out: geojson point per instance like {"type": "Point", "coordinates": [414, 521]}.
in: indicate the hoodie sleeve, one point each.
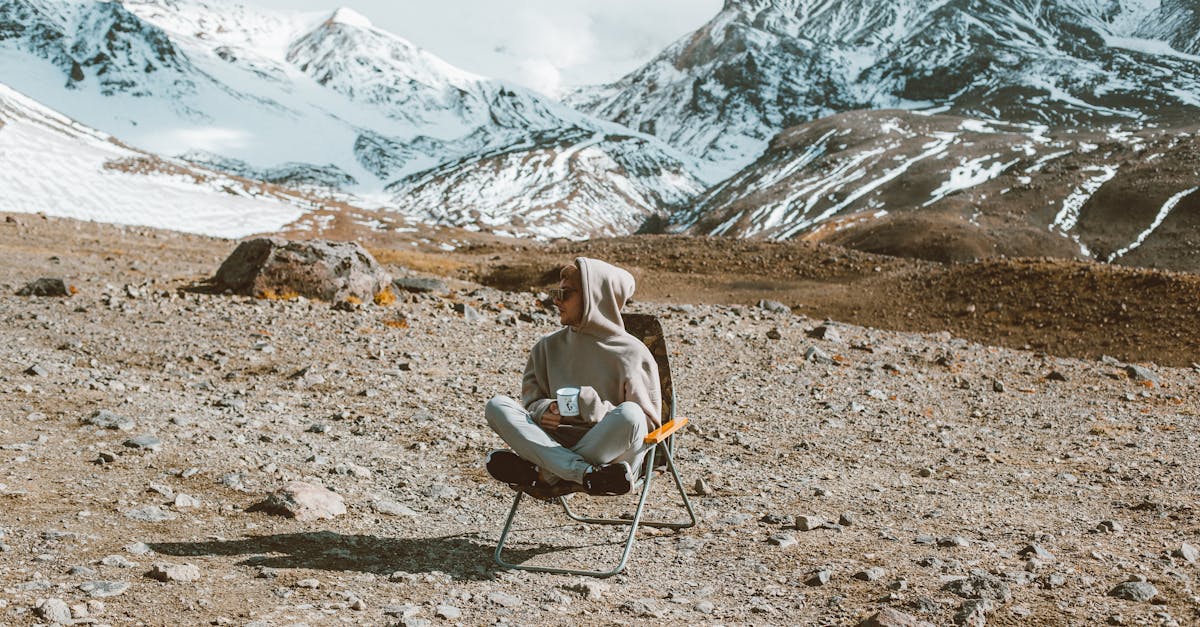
{"type": "Point", "coordinates": [535, 393]}
{"type": "Point", "coordinates": [641, 387]}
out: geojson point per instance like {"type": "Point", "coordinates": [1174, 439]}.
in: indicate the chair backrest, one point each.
{"type": "Point", "coordinates": [648, 329]}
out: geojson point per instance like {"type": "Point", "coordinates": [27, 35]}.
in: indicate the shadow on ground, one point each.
{"type": "Point", "coordinates": [463, 557]}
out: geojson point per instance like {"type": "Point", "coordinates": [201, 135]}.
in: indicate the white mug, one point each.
{"type": "Point", "coordinates": [568, 401]}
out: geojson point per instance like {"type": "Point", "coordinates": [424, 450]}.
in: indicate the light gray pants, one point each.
{"type": "Point", "coordinates": [616, 438]}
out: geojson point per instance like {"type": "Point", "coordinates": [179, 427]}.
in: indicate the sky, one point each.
{"type": "Point", "coordinates": [547, 45]}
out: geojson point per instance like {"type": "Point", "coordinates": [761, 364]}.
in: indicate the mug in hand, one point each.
{"type": "Point", "coordinates": [568, 401]}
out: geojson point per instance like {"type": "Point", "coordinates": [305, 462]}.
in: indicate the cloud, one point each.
{"type": "Point", "coordinates": [547, 45]}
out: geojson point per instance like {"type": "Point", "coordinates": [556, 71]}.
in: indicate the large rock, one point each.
{"type": "Point", "coordinates": [322, 270]}
{"type": "Point", "coordinates": [303, 501]}
{"type": "Point", "coordinates": [45, 287]}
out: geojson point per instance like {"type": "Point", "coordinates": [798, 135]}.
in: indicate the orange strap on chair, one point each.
{"type": "Point", "coordinates": [665, 431]}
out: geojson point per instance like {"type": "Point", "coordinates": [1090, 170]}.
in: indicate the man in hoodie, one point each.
{"type": "Point", "coordinates": [599, 451]}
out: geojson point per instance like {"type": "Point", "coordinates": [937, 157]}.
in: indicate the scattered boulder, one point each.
{"type": "Point", "coordinates": [45, 287]}
{"type": "Point", "coordinates": [774, 306]}
{"type": "Point", "coordinates": [271, 267]}
{"type": "Point", "coordinates": [1188, 552]}
{"type": "Point", "coordinates": [980, 585]}
{"type": "Point", "coordinates": [144, 443]}
{"type": "Point", "coordinates": [303, 501]}
{"type": "Point", "coordinates": [817, 356]}
{"type": "Point", "coordinates": [149, 513]}
{"type": "Point", "coordinates": [825, 332]}
{"type": "Point", "coordinates": [889, 617]}
{"type": "Point", "coordinates": [55, 611]}
{"type": "Point", "coordinates": [108, 420]}
{"type": "Point", "coordinates": [104, 588]}
{"type": "Point", "coordinates": [1141, 374]}
{"type": "Point", "coordinates": [1134, 591]}
{"type": "Point", "coordinates": [808, 523]}
{"type": "Point", "coordinates": [174, 572]}
{"type": "Point", "coordinates": [418, 285]}
{"type": "Point", "coordinates": [973, 613]}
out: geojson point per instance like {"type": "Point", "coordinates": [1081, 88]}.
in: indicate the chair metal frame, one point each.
{"type": "Point", "coordinates": [661, 439]}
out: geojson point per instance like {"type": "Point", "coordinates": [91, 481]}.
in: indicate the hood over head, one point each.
{"type": "Point", "coordinates": [605, 289]}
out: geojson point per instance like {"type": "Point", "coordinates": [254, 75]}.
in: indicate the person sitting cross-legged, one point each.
{"type": "Point", "coordinates": [600, 450]}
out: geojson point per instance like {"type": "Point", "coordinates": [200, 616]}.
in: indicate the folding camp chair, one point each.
{"type": "Point", "coordinates": [647, 328]}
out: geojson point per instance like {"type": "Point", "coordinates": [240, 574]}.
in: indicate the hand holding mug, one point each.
{"type": "Point", "coordinates": [551, 418]}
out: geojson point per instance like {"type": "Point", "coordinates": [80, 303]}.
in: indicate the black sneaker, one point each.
{"type": "Point", "coordinates": [508, 467]}
{"type": "Point", "coordinates": [608, 480]}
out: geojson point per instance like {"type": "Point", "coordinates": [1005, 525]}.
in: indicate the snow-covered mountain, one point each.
{"type": "Point", "coordinates": [54, 165]}
{"type": "Point", "coordinates": [950, 188]}
{"type": "Point", "coordinates": [760, 66]}
{"type": "Point", "coordinates": [329, 100]}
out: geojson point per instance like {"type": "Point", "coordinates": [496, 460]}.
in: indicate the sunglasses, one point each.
{"type": "Point", "coordinates": [561, 293]}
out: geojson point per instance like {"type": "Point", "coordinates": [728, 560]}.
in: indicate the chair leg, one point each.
{"type": "Point", "coordinates": [633, 525]}
{"type": "Point", "coordinates": [687, 504]}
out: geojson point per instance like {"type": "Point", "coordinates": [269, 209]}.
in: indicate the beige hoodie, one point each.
{"type": "Point", "coordinates": [609, 365]}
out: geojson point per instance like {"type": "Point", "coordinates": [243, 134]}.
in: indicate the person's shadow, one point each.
{"type": "Point", "coordinates": [461, 556]}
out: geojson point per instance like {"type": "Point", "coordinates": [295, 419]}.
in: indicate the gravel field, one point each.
{"type": "Point", "coordinates": [954, 482]}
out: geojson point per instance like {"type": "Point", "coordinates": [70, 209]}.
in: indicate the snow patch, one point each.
{"type": "Point", "coordinates": [1163, 212]}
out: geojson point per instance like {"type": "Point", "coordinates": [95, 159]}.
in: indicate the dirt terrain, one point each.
{"type": "Point", "coordinates": [959, 478]}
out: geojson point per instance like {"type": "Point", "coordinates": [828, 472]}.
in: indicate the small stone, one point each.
{"type": "Point", "coordinates": [1134, 591]}
{"type": "Point", "coordinates": [1037, 552]}
{"type": "Point", "coordinates": [138, 548]}
{"type": "Point", "coordinates": [875, 573]}
{"type": "Point", "coordinates": [302, 501]}
{"type": "Point", "coordinates": [643, 608]}
{"type": "Point", "coordinates": [774, 334]}
{"type": "Point", "coordinates": [818, 578]}
{"type": "Point", "coordinates": [174, 572]}
{"type": "Point", "coordinates": [150, 513]}
{"type": "Point", "coordinates": [145, 443]}
{"type": "Point", "coordinates": [997, 385]}
{"type": "Point", "coordinates": [953, 541]}
{"type": "Point", "coordinates": [825, 332]}
{"type": "Point", "coordinates": [82, 571]}
{"type": "Point", "coordinates": [1141, 374]}
{"type": "Point", "coordinates": [1110, 526]}
{"type": "Point", "coordinates": [45, 287]}
{"type": "Point", "coordinates": [925, 472]}
{"type": "Point", "coordinates": [701, 488]}
{"type": "Point", "coordinates": [504, 600]}
{"type": "Point", "coordinates": [389, 507]}
{"type": "Point", "coordinates": [774, 306]}
{"type": "Point", "coordinates": [448, 612]}
{"type": "Point", "coordinates": [1188, 552]}
{"type": "Point", "coordinates": [418, 285]}
{"type": "Point", "coordinates": [108, 420]}
{"type": "Point", "coordinates": [705, 607]}
{"type": "Point", "coordinates": [311, 584]}
{"type": "Point", "coordinates": [808, 523]}
{"type": "Point", "coordinates": [117, 561]}
{"type": "Point", "coordinates": [817, 356]}
{"type": "Point", "coordinates": [469, 313]}
{"type": "Point", "coordinates": [847, 519]}
{"type": "Point", "coordinates": [783, 540]}
{"type": "Point", "coordinates": [980, 585]}
{"type": "Point", "coordinates": [1056, 376]}
{"type": "Point", "coordinates": [590, 588]}
{"type": "Point", "coordinates": [37, 370]}
{"type": "Point", "coordinates": [56, 611]}
{"type": "Point", "coordinates": [973, 613]}
{"type": "Point", "coordinates": [889, 617]}
{"type": "Point", "coordinates": [104, 588]}
{"type": "Point", "coordinates": [184, 500]}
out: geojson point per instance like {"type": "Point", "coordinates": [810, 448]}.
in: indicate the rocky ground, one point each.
{"type": "Point", "coordinates": [949, 480]}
